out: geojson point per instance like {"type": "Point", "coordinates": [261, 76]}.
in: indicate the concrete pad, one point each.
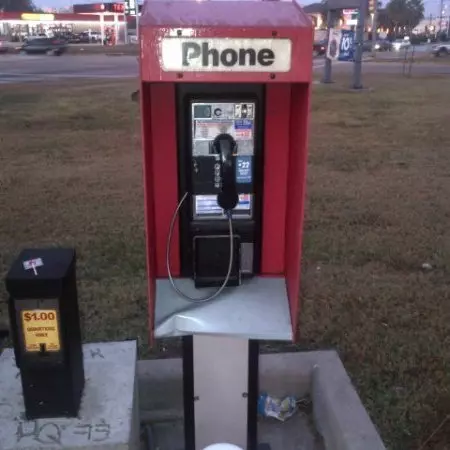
{"type": "Point", "coordinates": [109, 414]}
{"type": "Point", "coordinates": [337, 412]}
{"type": "Point", "coordinates": [160, 389]}
{"type": "Point", "coordinates": [161, 400]}
{"type": "Point", "coordinates": [339, 415]}
{"type": "Point", "coordinates": [295, 434]}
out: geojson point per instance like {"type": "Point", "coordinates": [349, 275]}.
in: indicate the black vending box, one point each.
{"type": "Point", "coordinates": [45, 327]}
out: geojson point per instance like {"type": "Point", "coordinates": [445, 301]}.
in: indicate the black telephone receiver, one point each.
{"type": "Point", "coordinates": [225, 146]}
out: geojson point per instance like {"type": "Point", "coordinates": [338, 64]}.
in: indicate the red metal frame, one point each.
{"type": "Point", "coordinates": [286, 126]}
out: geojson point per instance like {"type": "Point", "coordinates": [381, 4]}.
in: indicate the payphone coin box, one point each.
{"type": "Point", "coordinates": [45, 328]}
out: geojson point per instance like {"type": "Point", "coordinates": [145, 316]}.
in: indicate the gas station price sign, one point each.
{"type": "Point", "coordinates": [130, 7]}
{"type": "Point", "coordinates": [40, 330]}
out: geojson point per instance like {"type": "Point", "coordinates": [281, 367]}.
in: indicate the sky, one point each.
{"type": "Point", "coordinates": [431, 6]}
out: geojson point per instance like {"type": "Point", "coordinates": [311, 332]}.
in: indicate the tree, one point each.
{"type": "Point", "coordinates": [16, 5]}
{"type": "Point", "coordinates": [383, 19]}
{"type": "Point", "coordinates": [405, 13]}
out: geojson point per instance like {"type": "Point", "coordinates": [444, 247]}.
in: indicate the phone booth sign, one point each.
{"type": "Point", "coordinates": [225, 89]}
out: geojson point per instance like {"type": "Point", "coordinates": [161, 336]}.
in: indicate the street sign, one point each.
{"type": "Point", "coordinates": [350, 17]}
{"type": "Point", "coordinates": [341, 45]}
{"type": "Point", "coordinates": [131, 7]}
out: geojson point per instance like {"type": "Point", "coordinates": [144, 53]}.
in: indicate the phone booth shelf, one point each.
{"type": "Point", "coordinates": [267, 305]}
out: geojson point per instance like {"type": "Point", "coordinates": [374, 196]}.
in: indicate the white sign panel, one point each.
{"type": "Point", "coordinates": [334, 41]}
{"type": "Point", "coordinates": [225, 55]}
{"type": "Point", "coordinates": [207, 204]}
{"type": "Point", "coordinates": [32, 263]}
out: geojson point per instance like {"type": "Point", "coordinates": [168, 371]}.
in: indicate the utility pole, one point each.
{"type": "Point", "coordinates": [327, 67]}
{"type": "Point", "coordinates": [374, 14]}
{"type": "Point", "coordinates": [441, 12]}
{"type": "Point", "coordinates": [357, 65]}
{"type": "Point", "coordinates": [125, 28]}
{"type": "Point", "coordinates": [137, 20]}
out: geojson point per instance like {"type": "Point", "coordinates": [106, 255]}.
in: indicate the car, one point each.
{"type": "Point", "coordinates": [367, 46]}
{"type": "Point", "coordinates": [319, 48]}
{"type": "Point", "coordinates": [383, 45]}
{"type": "Point", "coordinates": [50, 46]}
{"type": "Point", "coordinates": [401, 44]}
{"type": "Point", "coordinates": [95, 36]}
{"type": "Point", "coordinates": [441, 49]}
{"type": "Point", "coordinates": [73, 38]}
{"type": "Point", "coordinates": [89, 37]}
{"type": "Point", "coordinates": [4, 46]}
{"type": "Point", "coordinates": [31, 37]}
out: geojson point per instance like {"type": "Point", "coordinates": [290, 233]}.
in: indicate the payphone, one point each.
{"type": "Point", "coordinates": [220, 184]}
{"type": "Point", "coordinates": [225, 89]}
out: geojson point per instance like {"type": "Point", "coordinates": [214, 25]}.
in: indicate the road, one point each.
{"type": "Point", "coordinates": [23, 68]}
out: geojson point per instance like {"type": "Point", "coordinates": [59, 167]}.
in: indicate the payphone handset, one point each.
{"type": "Point", "coordinates": [225, 146]}
{"type": "Point", "coordinates": [221, 147]}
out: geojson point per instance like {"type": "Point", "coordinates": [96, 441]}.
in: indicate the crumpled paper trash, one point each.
{"type": "Point", "coordinates": [277, 408]}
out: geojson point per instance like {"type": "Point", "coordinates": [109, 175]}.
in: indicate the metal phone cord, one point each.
{"type": "Point", "coordinates": [169, 245]}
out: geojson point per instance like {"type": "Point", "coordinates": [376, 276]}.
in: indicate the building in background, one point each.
{"type": "Point", "coordinates": [347, 19]}
{"type": "Point", "coordinates": [99, 18]}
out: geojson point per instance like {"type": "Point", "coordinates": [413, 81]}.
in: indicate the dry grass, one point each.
{"type": "Point", "coordinates": [378, 209]}
{"type": "Point", "coordinates": [70, 175]}
{"type": "Point", "coordinates": [378, 190]}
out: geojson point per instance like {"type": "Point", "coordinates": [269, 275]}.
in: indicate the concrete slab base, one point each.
{"type": "Point", "coordinates": [338, 415]}
{"type": "Point", "coordinates": [296, 434]}
{"type": "Point", "coordinates": [109, 414]}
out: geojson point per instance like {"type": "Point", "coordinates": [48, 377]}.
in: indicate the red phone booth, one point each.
{"type": "Point", "coordinates": [225, 102]}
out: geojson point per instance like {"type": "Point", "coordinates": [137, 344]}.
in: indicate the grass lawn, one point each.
{"type": "Point", "coordinates": [378, 208]}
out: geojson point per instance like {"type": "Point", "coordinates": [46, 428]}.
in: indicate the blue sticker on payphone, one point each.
{"type": "Point", "coordinates": [244, 169]}
{"type": "Point", "coordinates": [243, 124]}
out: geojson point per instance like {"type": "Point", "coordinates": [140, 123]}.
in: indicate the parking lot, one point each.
{"type": "Point", "coordinates": [16, 68]}
{"type": "Point", "coordinates": [20, 68]}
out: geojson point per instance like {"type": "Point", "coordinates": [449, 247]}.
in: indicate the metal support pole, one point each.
{"type": "Point", "coordinates": [102, 28]}
{"type": "Point", "coordinates": [228, 378]}
{"type": "Point", "coordinates": [116, 28]}
{"type": "Point", "coordinates": [327, 67]}
{"type": "Point", "coordinates": [125, 29]}
{"type": "Point", "coordinates": [374, 27]}
{"type": "Point", "coordinates": [357, 66]}
{"type": "Point", "coordinates": [137, 21]}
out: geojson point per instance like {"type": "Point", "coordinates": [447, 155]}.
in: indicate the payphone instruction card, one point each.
{"type": "Point", "coordinates": [206, 205]}
{"type": "Point", "coordinates": [212, 119]}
